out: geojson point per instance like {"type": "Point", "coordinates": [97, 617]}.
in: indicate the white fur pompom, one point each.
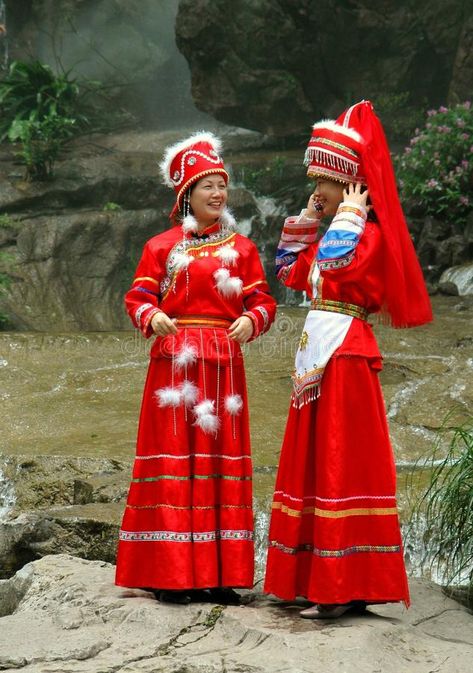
{"type": "Point", "coordinates": [190, 393]}
{"type": "Point", "coordinates": [227, 219]}
{"type": "Point", "coordinates": [190, 225]}
{"type": "Point", "coordinates": [182, 260]}
{"type": "Point", "coordinates": [205, 416]}
{"type": "Point", "coordinates": [168, 397]}
{"type": "Point", "coordinates": [233, 404]}
{"type": "Point", "coordinates": [228, 255]}
{"type": "Point", "coordinates": [227, 285]}
{"type": "Point", "coordinates": [186, 356]}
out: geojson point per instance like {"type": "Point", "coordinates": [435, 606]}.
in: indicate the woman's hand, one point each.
{"type": "Point", "coordinates": [353, 193]}
{"type": "Point", "coordinates": [161, 324]}
{"type": "Point", "coordinates": [314, 208]}
{"type": "Point", "coordinates": [241, 330]}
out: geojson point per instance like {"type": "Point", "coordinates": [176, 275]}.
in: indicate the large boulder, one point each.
{"type": "Point", "coordinates": [275, 66]}
{"type": "Point", "coordinates": [65, 614]}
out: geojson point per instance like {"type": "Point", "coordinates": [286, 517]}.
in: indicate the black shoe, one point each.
{"type": "Point", "coordinates": [169, 596]}
{"type": "Point", "coordinates": [224, 596]}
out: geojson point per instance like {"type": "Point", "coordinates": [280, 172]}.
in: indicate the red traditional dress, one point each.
{"type": "Point", "coordinates": [334, 534]}
{"type": "Point", "coordinates": [188, 521]}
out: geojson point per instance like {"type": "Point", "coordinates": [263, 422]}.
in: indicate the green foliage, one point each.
{"type": "Point", "coordinates": [42, 141]}
{"type": "Point", "coordinates": [399, 116]}
{"type": "Point", "coordinates": [447, 506]}
{"type": "Point", "coordinates": [31, 91]}
{"type": "Point", "coordinates": [262, 181]}
{"type": "Point", "coordinates": [7, 222]}
{"type": "Point", "coordinates": [436, 169]}
{"type": "Point", "coordinates": [111, 206]}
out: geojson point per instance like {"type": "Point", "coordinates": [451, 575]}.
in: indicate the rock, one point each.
{"type": "Point", "coordinates": [305, 79]}
{"type": "Point", "coordinates": [457, 280]}
{"type": "Point", "coordinates": [64, 614]}
{"type": "Point", "coordinates": [71, 504]}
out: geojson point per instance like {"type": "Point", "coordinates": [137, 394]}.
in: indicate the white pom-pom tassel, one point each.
{"type": "Point", "coordinates": [168, 397]}
{"type": "Point", "coordinates": [228, 285]}
{"type": "Point", "coordinates": [228, 255]}
{"type": "Point", "coordinates": [182, 260]}
{"type": "Point", "coordinates": [186, 356]}
{"type": "Point", "coordinates": [205, 416]}
{"type": "Point", "coordinates": [233, 404]}
{"type": "Point", "coordinates": [190, 393]}
{"type": "Point", "coordinates": [190, 225]}
{"type": "Point", "coordinates": [227, 219]}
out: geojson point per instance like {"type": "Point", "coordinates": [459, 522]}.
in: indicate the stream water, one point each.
{"type": "Point", "coordinates": [79, 394]}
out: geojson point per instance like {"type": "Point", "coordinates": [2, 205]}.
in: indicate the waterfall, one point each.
{"type": "Point", "coordinates": [7, 495]}
{"type": "Point", "coordinates": [3, 37]}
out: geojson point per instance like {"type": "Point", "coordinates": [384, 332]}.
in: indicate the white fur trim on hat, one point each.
{"type": "Point", "coordinates": [171, 151]}
{"type": "Point", "coordinates": [337, 128]}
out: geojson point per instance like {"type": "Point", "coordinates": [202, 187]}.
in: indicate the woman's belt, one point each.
{"type": "Point", "coordinates": [201, 321]}
{"type": "Point", "coordinates": [340, 307]}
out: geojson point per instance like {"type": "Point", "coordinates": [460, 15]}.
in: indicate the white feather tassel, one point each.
{"type": "Point", "coordinates": [190, 225]}
{"type": "Point", "coordinates": [190, 393]}
{"type": "Point", "coordinates": [233, 404]}
{"type": "Point", "coordinates": [182, 260]}
{"type": "Point", "coordinates": [227, 220]}
{"type": "Point", "coordinates": [186, 356]}
{"type": "Point", "coordinates": [227, 285]}
{"type": "Point", "coordinates": [205, 416]}
{"type": "Point", "coordinates": [168, 397]}
{"type": "Point", "coordinates": [228, 255]}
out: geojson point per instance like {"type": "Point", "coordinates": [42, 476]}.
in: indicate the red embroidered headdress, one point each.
{"type": "Point", "coordinates": [189, 160]}
{"type": "Point", "coordinates": [354, 149]}
{"type": "Point", "coordinates": [334, 152]}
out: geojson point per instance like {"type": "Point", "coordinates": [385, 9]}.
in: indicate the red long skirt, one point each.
{"type": "Point", "coordinates": [188, 522]}
{"type": "Point", "coordinates": [334, 534]}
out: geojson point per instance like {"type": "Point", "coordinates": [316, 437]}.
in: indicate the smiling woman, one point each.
{"type": "Point", "coordinates": [187, 531]}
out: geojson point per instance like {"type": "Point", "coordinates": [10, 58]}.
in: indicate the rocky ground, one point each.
{"type": "Point", "coordinates": [63, 614]}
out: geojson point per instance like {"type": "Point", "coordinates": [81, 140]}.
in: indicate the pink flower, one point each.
{"type": "Point", "coordinates": [465, 136]}
{"type": "Point", "coordinates": [442, 108]}
{"type": "Point", "coordinates": [437, 162]}
{"type": "Point", "coordinates": [407, 150]}
{"type": "Point", "coordinates": [460, 122]}
{"type": "Point", "coordinates": [467, 105]}
{"type": "Point", "coordinates": [465, 163]}
{"type": "Point", "coordinates": [432, 184]}
{"type": "Point", "coordinates": [431, 113]}
{"type": "Point", "coordinates": [464, 200]}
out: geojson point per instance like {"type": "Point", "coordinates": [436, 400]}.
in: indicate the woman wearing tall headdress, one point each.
{"type": "Point", "coordinates": [201, 289]}
{"type": "Point", "coordinates": [334, 534]}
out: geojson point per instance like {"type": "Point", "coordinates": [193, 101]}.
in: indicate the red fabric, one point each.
{"type": "Point", "coordinates": [189, 522]}
{"type": "Point", "coordinates": [406, 298]}
{"type": "Point", "coordinates": [200, 503]}
{"type": "Point", "coordinates": [336, 456]}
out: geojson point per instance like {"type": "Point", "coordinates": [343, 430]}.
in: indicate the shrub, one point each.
{"type": "Point", "coordinates": [447, 506]}
{"type": "Point", "coordinates": [436, 169]}
{"type": "Point", "coordinates": [42, 141]}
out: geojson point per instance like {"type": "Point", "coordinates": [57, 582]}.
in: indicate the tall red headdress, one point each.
{"type": "Point", "coordinates": [189, 160]}
{"type": "Point", "coordinates": [406, 300]}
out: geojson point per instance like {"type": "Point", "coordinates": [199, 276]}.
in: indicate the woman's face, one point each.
{"type": "Point", "coordinates": [208, 198]}
{"type": "Point", "coordinates": [329, 193]}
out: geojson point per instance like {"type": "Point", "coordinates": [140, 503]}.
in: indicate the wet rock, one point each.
{"type": "Point", "coordinates": [69, 504]}
{"type": "Point", "coordinates": [66, 615]}
{"type": "Point", "coordinates": [458, 280]}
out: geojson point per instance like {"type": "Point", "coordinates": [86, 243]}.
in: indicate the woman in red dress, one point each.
{"type": "Point", "coordinates": [201, 289]}
{"type": "Point", "coordinates": [334, 534]}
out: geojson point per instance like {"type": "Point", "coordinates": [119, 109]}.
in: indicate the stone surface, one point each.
{"type": "Point", "coordinates": [56, 503]}
{"type": "Point", "coordinates": [321, 56]}
{"type": "Point", "coordinates": [63, 614]}
{"type": "Point", "coordinates": [457, 280]}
